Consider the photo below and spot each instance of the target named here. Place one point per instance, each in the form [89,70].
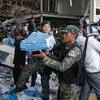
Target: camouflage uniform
[68,90]
[36,65]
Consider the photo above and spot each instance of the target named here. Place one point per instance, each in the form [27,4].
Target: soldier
[36,65]
[68,89]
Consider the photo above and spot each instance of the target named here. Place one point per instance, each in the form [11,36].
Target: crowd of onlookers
[60,58]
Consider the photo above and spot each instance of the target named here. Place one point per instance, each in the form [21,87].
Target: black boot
[43,98]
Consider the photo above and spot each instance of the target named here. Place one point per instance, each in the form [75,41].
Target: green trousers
[68,91]
[43,70]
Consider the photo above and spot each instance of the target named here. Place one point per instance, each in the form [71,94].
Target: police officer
[68,89]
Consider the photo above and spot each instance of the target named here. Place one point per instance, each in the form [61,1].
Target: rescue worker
[68,89]
[36,65]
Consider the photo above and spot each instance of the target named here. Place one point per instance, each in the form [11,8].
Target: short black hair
[21,32]
[45,22]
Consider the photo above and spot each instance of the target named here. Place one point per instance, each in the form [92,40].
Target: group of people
[61,59]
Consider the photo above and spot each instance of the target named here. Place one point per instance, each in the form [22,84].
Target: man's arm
[73,56]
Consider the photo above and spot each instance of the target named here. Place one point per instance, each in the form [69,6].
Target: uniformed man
[36,65]
[67,69]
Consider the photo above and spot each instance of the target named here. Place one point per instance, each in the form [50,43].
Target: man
[36,65]
[19,56]
[68,90]
[92,65]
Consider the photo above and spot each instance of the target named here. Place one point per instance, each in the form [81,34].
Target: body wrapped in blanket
[38,41]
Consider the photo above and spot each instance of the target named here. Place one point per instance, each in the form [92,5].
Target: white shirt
[92,59]
[50,42]
[26,29]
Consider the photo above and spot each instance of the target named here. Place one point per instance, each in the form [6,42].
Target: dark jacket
[19,56]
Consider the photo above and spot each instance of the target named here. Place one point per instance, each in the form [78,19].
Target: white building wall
[92,10]
[97,6]
[98,3]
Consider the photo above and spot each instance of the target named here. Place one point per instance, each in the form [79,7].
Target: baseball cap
[70,28]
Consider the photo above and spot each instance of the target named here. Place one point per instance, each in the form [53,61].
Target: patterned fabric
[31,69]
[73,29]
[72,57]
[69,92]
[35,42]
[70,28]
[38,41]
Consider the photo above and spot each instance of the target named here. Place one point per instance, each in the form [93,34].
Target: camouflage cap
[70,28]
